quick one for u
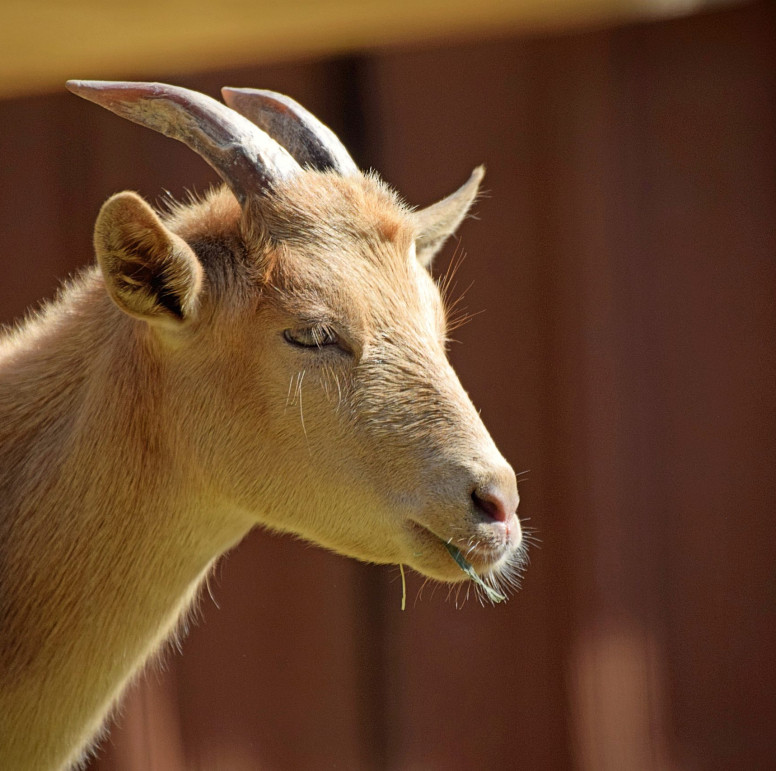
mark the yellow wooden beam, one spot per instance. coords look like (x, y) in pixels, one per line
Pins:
(44, 42)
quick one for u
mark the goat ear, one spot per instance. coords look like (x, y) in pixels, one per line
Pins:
(438, 222)
(150, 273)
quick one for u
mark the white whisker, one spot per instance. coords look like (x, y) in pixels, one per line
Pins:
(301, 411)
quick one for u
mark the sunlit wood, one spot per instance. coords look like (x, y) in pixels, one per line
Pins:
(44, 42)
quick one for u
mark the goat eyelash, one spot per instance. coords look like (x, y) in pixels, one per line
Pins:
(312, 336)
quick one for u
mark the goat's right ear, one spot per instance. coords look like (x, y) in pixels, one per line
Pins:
(435, 224)
(150, 273)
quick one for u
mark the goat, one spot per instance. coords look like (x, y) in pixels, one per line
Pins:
(272, 353)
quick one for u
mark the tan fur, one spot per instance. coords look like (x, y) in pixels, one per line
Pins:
(141, 438)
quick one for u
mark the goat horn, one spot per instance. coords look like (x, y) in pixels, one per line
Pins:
(246, 158)
(310, 142)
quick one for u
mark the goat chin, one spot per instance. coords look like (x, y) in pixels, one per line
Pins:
(271, 353)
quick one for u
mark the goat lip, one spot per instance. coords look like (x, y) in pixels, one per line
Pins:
(482, 557)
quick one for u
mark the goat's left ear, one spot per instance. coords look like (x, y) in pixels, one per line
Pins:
(150, 272)
(436, 223)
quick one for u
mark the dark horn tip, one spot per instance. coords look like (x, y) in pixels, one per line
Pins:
(232, 95)
(241, 98)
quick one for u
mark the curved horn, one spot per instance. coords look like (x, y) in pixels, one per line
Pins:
(246, 158)
(311, 142)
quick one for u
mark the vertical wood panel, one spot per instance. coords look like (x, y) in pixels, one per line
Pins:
(711, 167)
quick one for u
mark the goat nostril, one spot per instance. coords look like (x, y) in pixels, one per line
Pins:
(491, 505)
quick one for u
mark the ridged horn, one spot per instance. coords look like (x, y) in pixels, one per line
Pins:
(311, 142)
(247, 159)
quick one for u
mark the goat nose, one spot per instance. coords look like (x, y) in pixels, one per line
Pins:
(496, 501)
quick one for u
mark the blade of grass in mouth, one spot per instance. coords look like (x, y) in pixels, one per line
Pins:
(493, 595)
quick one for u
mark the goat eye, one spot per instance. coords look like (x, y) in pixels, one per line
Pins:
(315, 336)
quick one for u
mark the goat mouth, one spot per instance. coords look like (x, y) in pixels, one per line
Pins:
(482, 556)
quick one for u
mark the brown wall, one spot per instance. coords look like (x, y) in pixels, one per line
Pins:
(625, 257)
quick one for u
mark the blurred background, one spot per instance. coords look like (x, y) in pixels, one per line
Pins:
(625, 258)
